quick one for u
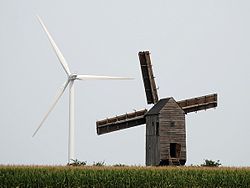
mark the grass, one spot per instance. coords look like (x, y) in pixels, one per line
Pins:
(104, 176)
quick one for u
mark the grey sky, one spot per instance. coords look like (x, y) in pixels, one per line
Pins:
(197, 47)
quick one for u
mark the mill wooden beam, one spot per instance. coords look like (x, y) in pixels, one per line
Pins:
(120, 122)
(148, 77)
(198, 103)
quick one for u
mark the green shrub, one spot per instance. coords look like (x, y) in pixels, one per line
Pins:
(102, 163)
(119, 165)
(76, 162)
(211, 163)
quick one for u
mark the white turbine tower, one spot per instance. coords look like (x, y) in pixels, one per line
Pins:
(70, 82)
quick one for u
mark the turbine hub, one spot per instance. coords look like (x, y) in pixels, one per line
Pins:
(72, 77)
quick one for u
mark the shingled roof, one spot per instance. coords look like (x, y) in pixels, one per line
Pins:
(158, 106)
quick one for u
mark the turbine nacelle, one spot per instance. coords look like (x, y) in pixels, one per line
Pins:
(72, 77)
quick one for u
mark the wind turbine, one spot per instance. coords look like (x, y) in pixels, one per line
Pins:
(71, 78)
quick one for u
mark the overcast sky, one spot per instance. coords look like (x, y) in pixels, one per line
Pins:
(197, 47)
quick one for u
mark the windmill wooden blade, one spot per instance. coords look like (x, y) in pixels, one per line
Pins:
(148, 77)
(121, 122)
(198, 103)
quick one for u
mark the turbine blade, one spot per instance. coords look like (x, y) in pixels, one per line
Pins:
(56, 49)
(95, 77)
(57, 97)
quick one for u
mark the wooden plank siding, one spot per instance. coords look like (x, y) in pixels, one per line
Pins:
(170, 119)
(152, 141)
(172, 129)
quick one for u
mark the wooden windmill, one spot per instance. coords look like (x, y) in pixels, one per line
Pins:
(165, 121)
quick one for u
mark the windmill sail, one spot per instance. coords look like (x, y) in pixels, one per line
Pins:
(198, 103)
(121, 122)
(148, 77)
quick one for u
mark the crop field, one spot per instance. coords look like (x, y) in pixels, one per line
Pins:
(91, 176)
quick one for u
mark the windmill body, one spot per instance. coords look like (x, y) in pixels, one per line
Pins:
(165, 134)
(165, 121)
(71, 78)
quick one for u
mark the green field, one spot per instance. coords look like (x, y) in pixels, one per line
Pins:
(90, 176)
